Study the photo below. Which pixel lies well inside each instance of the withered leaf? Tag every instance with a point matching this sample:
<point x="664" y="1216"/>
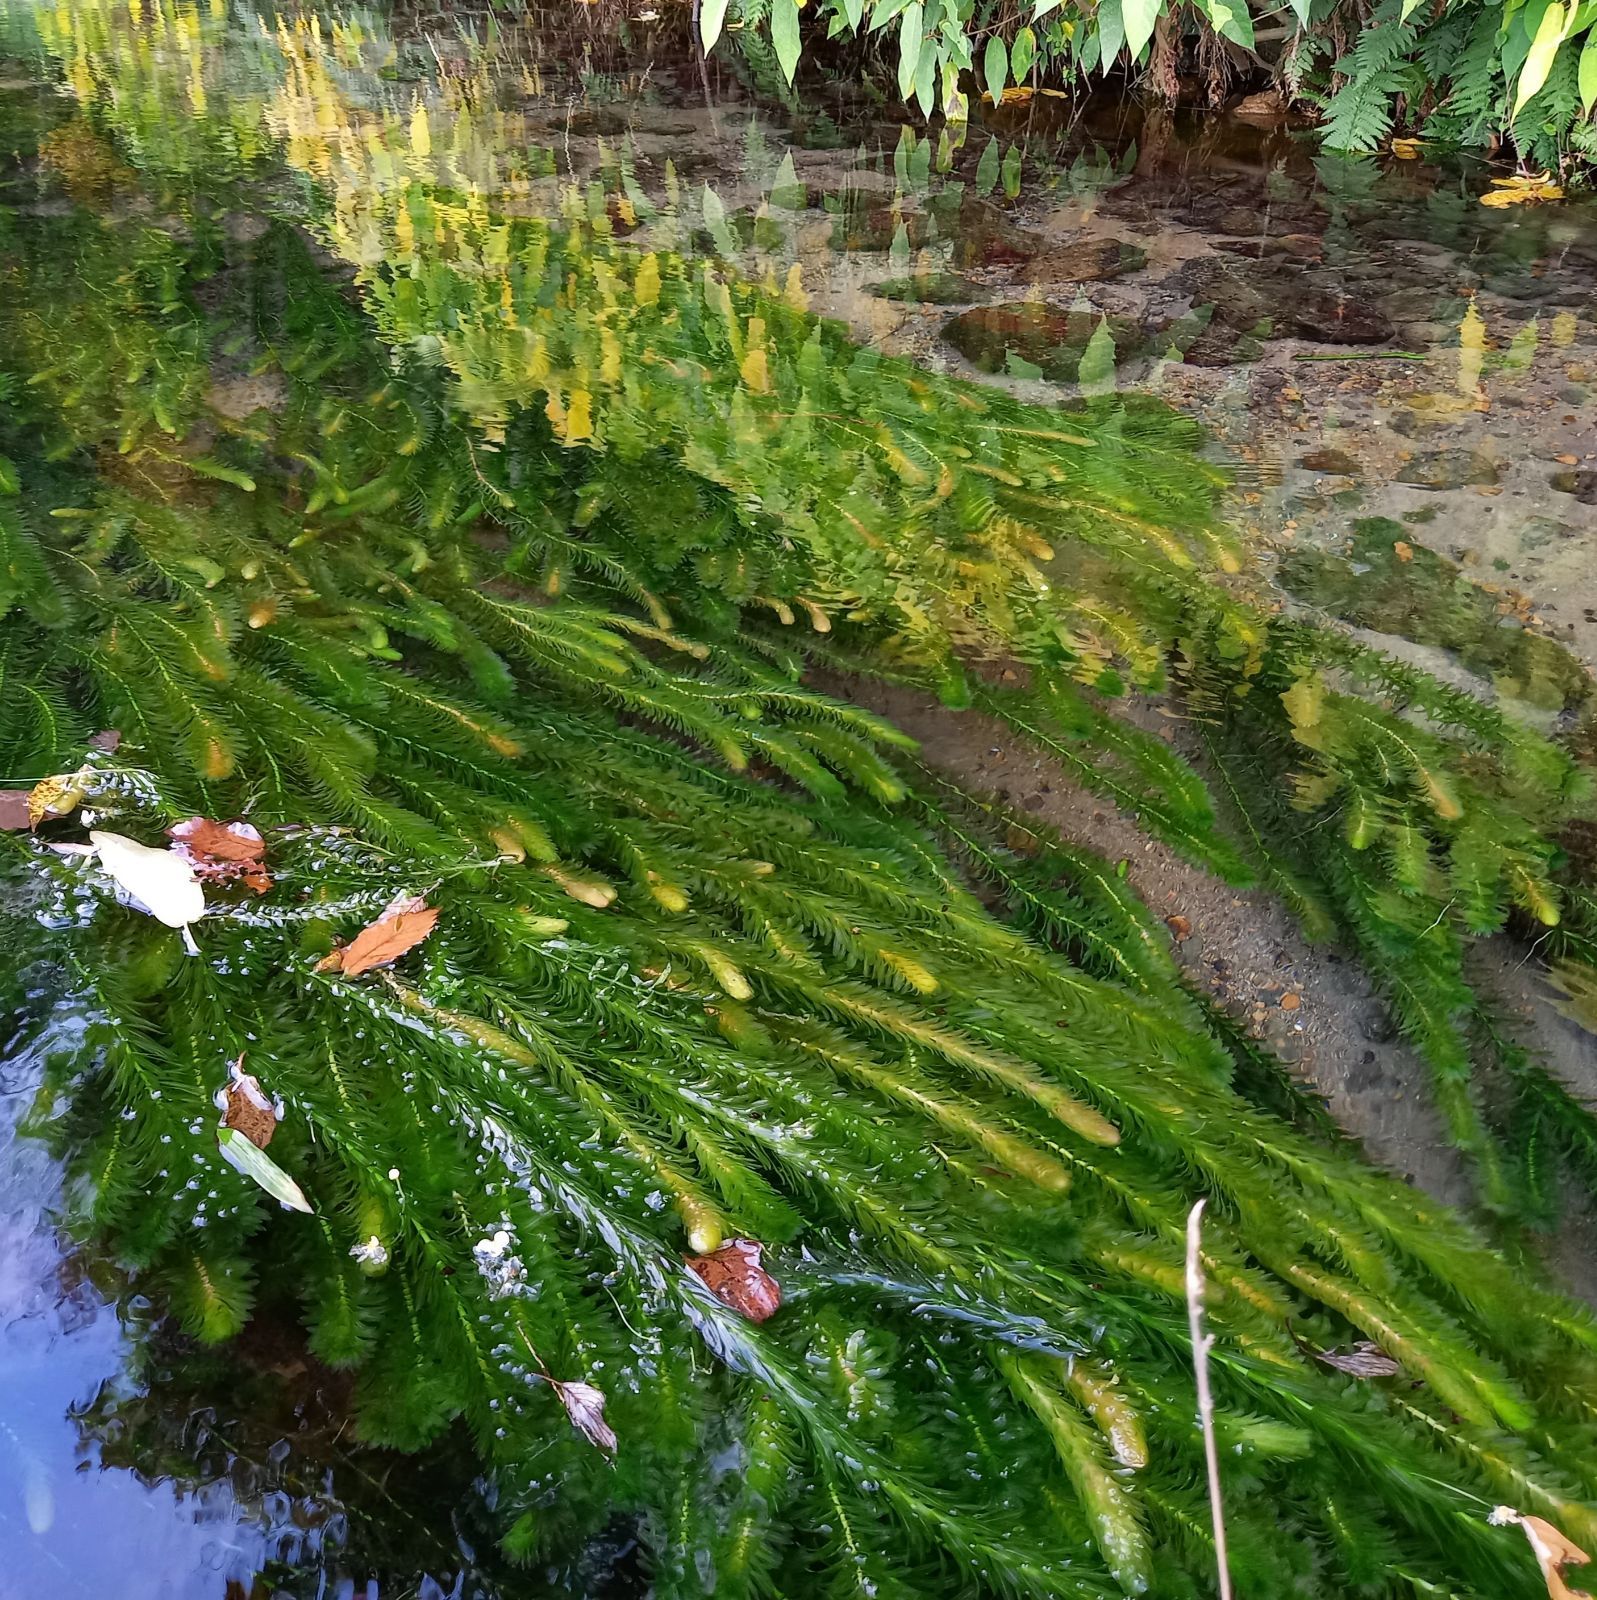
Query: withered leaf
<point x="1364" y="1360"/>
<point x="1180" y="928"/>
<point x="223" y="852"/>
<point x="247" y="1107"/>
<point x="106" y="741"/>
<point x="14" y="810"/>
<point x="585" y="1406"/>
<point x="55" y="796"/>
<point x="734" y="1276"/>
<point x="1552" y="1549"/>
<point x="407" y="921"/>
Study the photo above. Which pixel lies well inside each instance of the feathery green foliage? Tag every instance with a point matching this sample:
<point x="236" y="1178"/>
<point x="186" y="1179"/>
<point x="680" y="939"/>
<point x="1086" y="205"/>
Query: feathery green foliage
<point x="710" y="960"/>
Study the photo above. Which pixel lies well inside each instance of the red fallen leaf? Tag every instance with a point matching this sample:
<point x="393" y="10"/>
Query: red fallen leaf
<point x="734" y="1276"/>
<point x="407" y="921"/>
<point x="14" y="810"/>
<point x="221" y="852"/>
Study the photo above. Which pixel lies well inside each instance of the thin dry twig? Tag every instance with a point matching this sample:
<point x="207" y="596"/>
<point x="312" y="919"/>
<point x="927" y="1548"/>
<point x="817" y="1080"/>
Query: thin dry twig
<point x="1201" y="1344"/>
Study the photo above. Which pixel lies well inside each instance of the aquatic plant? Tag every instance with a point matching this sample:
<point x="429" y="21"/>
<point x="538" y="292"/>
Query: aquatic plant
<point x="709" y="961"/>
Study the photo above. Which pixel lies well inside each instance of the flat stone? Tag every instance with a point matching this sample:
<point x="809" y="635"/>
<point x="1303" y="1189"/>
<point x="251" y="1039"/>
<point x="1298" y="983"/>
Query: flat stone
<point x="1449" y="469"/>
<point x="932" y="289"/>
<point x="1048" y="337"/>
<point x="1581" y="482"/>
<point x="1086" y="261"/>
<point x="1332" y="463"/>
<point x="1329" y="317"/>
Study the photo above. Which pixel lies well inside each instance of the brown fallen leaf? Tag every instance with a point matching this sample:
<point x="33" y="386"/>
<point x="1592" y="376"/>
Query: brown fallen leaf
<point x="106" y="741"/>
<point x="1553" y="1551"/>
<point x="222" y="852"/>
<point x="1180" y="928"/>
<point x="1403" y="550"/>
<point x="14" y="810"/>
<point x="585" y="1406"/>
<point x="1290" y="1002"/>
<point x="735" y="1277"/>
<point x="246" y="1106"/>
<point x="407" y="921"/>
<point x="1567" y="460"/>
<point x="1364" y="1360"/>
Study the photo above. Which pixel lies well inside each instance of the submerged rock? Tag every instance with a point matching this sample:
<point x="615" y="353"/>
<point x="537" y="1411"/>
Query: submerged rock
<point x="1052" y="339"/>
<point x="1332" y="463"/>
<point x="931" y="288"/>
<point x="1582" y="484"/>
<point x="1449" y="469"/>
<point x="1086" y="261"/>
<point x="1329" y="316"/>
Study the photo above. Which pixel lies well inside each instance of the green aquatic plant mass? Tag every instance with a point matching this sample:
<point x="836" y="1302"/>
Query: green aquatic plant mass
<point x="737" y="1128"/>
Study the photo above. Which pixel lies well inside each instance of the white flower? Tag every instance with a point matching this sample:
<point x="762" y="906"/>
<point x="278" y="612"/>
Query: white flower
<point x="373" y="1253"/>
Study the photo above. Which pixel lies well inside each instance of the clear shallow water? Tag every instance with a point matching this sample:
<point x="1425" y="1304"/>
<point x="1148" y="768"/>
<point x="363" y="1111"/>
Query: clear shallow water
<point x="223" y="1483"/>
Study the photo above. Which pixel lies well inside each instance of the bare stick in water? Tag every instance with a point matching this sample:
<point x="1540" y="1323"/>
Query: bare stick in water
<point x="1201" y="1343"/>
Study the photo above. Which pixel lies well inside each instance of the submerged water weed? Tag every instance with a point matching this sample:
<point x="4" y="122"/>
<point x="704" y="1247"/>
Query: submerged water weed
<point x="707" y="970"/>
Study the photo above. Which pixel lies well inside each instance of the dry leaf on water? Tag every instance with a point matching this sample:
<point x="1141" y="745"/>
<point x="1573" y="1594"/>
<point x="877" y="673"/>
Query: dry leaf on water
<point x="1522" y="189"/>
<point x="1364" y="1360"/>
<point x="57" y="795"/>
<point x="407" y="921"/>
<point x="1403" y="550"/>
<point x="163" y="883"/>
<point x="734" y="1276"/>
<point x="585" y="1406"/>
<point x="222" y="852"/>
<point x="1180" y="928"/>
<point x="246" y="1107"/>
<point x="54" y="796"/>
<point x="1552" y="1550"/>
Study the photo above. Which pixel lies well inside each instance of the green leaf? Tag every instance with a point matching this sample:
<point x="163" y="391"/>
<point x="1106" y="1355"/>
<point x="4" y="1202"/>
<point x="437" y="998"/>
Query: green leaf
<point x="1111" y="34"/>
<point x="854" y="10"/>
<point x="785" y="35"/>
<point x="1301" y="8"/>
<point x="1011" y="171"/>
<point x="1022" y="53"/>
<point x="259" y="1167"/>
<point x="926" y="76"/>
<point x="1139" y="17"/>
<point x="911" y="32"/>
<point x="1543" y="50"/>
<point x="995" y="67"/>
<point x="987" y="169"/>
<point x="711" y="18"/>
<point x="1588" y="74"/>
<point x="1096" y="373"/>
<point x="1231" y="20"/>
